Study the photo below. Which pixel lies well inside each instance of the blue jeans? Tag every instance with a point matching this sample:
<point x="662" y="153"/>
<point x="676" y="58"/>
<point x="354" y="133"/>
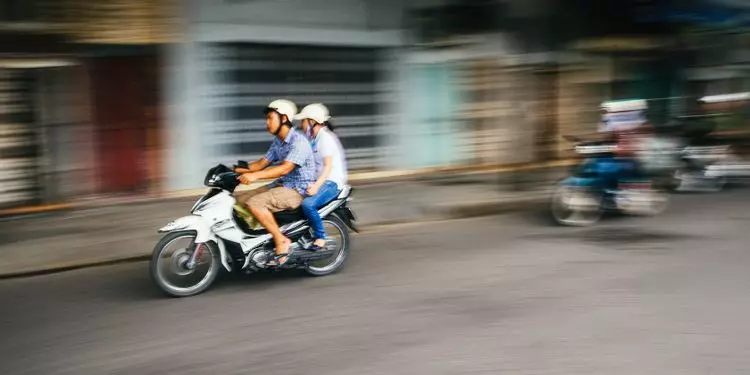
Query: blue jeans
<point x="328" y="192"/>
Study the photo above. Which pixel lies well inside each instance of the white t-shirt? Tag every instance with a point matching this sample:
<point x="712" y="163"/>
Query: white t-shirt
<point x="327" y="144"/>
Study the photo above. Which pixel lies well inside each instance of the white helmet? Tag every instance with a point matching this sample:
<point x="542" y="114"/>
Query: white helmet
<point x="317" y="112"/>
<point x="283" y="107"/>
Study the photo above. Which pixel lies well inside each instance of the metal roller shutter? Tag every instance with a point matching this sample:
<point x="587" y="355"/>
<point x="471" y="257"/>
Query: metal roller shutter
<point x="246" y="77"/>
<point x="19" y="146"/>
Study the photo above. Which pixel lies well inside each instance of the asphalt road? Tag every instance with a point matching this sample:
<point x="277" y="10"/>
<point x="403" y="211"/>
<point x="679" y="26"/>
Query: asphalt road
<point x="496" y="295"/>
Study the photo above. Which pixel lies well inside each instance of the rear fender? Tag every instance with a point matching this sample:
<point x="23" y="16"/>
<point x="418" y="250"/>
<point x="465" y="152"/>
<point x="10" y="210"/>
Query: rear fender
<point x="347" y="216"/>
<point x="202" y="231"/>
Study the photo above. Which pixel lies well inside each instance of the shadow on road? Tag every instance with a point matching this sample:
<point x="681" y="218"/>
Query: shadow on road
<point x="137" y="284"/>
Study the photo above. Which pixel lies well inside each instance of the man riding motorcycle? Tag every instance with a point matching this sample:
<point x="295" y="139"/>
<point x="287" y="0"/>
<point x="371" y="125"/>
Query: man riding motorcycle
<point x="295" y="173"/>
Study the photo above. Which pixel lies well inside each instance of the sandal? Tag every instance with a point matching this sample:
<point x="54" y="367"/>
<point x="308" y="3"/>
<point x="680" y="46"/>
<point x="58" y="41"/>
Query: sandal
<point x="315" y="247"/>
<point x="275" y="261"/>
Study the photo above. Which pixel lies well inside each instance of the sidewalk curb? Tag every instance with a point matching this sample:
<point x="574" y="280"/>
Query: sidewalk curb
<point x="73" y="266"/>
<point x="488" y="208"/>
<point x="430" y="215"/>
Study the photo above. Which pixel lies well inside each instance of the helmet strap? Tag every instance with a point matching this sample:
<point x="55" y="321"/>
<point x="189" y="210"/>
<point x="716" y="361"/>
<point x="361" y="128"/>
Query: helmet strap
<point x="316" y="126"/>
<point x="278" y="131"/>
<point x="281" y="124"/>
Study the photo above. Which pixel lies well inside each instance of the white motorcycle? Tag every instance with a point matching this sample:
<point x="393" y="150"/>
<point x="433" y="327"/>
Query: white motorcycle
<point x="187" y="260"/>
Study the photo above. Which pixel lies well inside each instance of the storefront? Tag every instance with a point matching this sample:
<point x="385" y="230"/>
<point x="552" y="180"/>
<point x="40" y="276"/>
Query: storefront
<point x="249" y="75"/>
<point x="20" y="143"/>
<point x="32" y="122"/>
<point x="240" y="55"/>
<point x="79" y="111"/>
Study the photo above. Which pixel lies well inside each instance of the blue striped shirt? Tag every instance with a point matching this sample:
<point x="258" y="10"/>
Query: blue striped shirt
<point x="296" y="149"/>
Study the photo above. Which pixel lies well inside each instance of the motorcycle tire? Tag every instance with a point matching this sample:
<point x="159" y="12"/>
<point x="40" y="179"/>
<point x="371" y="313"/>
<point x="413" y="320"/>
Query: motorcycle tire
<point x="341" y="257"/>
<point x="202" y="285"/>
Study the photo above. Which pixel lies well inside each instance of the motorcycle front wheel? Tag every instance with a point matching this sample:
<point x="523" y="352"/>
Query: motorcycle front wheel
<point x="169" y="265"/>
<point x="574" y="206"/>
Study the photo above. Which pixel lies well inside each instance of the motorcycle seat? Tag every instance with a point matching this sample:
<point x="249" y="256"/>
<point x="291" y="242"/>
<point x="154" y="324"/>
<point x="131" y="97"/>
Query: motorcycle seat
<point x="282" y="218"/>
<point x="241" y="215"/>
<point x="289" y="216"/>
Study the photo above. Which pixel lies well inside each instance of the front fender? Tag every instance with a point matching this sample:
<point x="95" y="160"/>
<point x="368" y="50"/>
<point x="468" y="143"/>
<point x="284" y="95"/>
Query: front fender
<point x="203" y="234"/>
<point x="191" y="222"/>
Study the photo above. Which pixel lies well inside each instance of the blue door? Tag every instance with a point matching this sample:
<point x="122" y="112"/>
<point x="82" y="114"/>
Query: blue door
<point x="433" y="131"/>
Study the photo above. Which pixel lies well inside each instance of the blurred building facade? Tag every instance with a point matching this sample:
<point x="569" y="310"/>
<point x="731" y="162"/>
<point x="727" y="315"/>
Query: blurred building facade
<point x="80" y="98"/>
<point x="139" y="97"/>
<point x="237" y="56"/>
<point x="411" y="84"/>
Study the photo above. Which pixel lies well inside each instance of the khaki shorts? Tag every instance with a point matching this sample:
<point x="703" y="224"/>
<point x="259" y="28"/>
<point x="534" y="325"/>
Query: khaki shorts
<point x="273" y="199"/>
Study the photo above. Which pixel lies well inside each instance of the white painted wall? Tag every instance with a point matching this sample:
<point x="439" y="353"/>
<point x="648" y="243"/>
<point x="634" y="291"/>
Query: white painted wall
<point x="184" y="114"/>
<point x="394" y="128"/>
<point x="293" y="13"/>
<point x="333" y="22"/>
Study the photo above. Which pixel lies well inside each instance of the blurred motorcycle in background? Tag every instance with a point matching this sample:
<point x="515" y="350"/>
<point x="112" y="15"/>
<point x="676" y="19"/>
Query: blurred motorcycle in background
<point x="604" y="182"/>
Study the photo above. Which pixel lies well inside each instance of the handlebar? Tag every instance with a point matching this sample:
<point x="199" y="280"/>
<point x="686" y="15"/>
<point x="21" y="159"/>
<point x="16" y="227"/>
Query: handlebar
<point x="240" y="164"/>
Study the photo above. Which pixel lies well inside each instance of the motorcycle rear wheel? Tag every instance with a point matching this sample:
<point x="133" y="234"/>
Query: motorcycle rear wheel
<point x="659" y="202"/>
<point x="339" y="237"/>
<point x="697" y="181"/>
<point x="163" y="268"/>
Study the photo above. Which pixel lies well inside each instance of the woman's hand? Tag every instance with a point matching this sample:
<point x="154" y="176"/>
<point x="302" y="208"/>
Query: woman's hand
<point x="248" y="178"/>
<point x="313" y="189"/>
